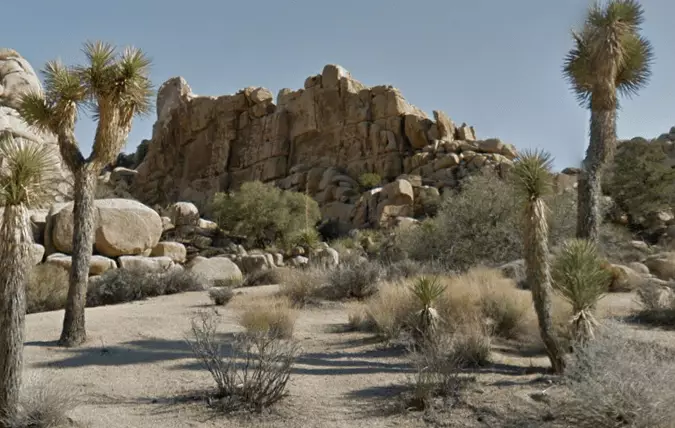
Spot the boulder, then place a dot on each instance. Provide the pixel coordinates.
(184, 214)
(662, 265)
(298, 261)
(173, 250)
(122, 227)
(326, 257)
(215, 268)
(37, 253)
(399, 192)
(97, 264)
(145, 264)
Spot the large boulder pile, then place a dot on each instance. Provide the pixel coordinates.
(318, 140)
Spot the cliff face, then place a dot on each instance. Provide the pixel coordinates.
(201, 145)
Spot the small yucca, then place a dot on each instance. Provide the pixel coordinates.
(580, 277)
(427, 290)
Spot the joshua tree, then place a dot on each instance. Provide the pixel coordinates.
(115, 88)
(427, 290)
(579, 276)
(533, 177)
(609, 57)
(25, 174)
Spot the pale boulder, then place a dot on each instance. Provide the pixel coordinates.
(97, 264)
(184, 214)
(215, 268)
(174, 250)
(37, 253)
(145, 264)
(122, 227)
(662, 265)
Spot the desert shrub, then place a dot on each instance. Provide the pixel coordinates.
(657, 305)
(639, 179)
(437, 374)
(408, 268)
(124, 285)
(471, 345)
(615, 381)
(47, 288)
(221, 296)
(302, 286)
(252, 375)
(387, 313)
(307, 238)
(265, 277)
(232, 282)
(615, 244)
(369, 180)
(274, 317)
(263, 213)
(43, 403)
(354, 280)
(482, 224)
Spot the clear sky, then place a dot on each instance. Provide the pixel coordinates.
(494, 64)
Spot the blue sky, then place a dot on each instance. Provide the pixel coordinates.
(494, 64)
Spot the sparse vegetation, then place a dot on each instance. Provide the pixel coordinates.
(615, 381)
(303, 286)
(265, 214)
(47, 289)
(122, 285)
(43, 403)
(355, 280)
(273, 316)
(221, 296)
(265, 277)
(252, 374)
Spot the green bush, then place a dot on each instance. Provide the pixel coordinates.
(264, 214)
(369, 180)
(640, 180)
(482, 224)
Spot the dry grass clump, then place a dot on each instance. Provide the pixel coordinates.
(615, 381)
(47, 288)
(43, 404)
(221, 296)
(273, 316)
(302, 286)
(250, 375)
(355, 280)
(480, 296)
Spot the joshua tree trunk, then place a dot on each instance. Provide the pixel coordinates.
(74, 332)
(14, 252)
(600, 151)
(539, 278)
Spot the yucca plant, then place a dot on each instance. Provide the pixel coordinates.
(427, 290)
(532, 174)
(580, 278)
(27, 170)
(609, 57)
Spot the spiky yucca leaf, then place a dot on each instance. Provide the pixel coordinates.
(427, 290)
(579, 275)
(27, 173)
(532, 171)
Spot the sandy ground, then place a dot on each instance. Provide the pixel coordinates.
(136, 365)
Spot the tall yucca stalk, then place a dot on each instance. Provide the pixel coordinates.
(609, 58)
(579, 276)
(532, 174)
(26, 171)
(114, 88)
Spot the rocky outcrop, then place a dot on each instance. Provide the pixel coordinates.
(17, 77)
(318, 140)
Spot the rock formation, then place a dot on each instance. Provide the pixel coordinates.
(16, 78)
(318, 140)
